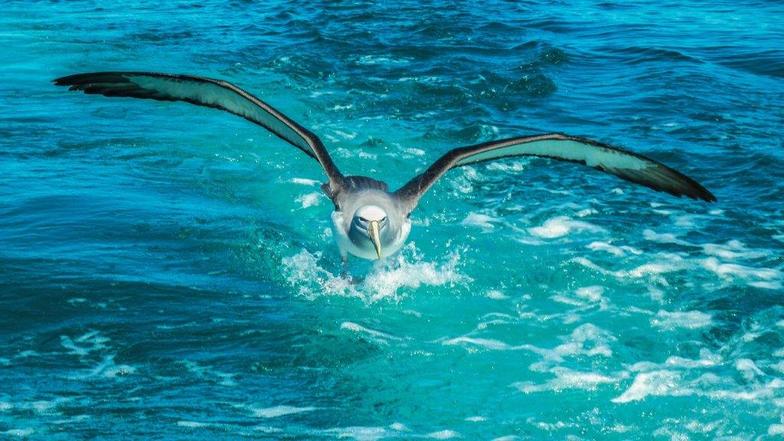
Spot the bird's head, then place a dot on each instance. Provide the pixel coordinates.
(370, 227)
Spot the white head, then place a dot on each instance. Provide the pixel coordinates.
(370, 228)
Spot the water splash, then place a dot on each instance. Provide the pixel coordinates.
(390, 279)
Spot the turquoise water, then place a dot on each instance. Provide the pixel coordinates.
(168, 272)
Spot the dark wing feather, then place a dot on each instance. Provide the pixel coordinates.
(206, 92)
(622, 163)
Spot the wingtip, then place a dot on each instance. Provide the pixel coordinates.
(86, 77)
(68, 80)
(709, 197)
(702, 193)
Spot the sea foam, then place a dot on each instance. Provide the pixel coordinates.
(560, 226)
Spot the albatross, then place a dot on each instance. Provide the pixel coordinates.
(369, 220)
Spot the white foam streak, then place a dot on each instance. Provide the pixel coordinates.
(776, 429)
(732, 250)
(191, 424)
(361, 433)
(612, 249)
(669, 263)
(748, 369)
(653, 270)
(681, 319)
(587, 339)
(590, 293)
(482, 221)
(496, 295)
(443, 434)
(570, 379)
(561, 226)
(765, 278)
(304, 181)
(654, 383)
(20, 433)
(377, 336)
(279, 411)
(663, 238)
(661, 380)
(688, 363)
(494, 345)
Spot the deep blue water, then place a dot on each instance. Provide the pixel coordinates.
(168, 272)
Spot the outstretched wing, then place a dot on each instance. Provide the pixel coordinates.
(206, 92)
(624, 164)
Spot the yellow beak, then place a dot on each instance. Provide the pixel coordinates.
(374, 236)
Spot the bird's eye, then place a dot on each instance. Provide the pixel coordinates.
(362, 219)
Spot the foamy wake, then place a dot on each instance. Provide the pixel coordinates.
(387, 280)
(663, 263)
(656, 381)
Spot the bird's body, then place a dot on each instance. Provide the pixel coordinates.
(353, 241)
(362, 201)
(369, 220)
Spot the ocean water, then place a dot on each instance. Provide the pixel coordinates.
(168, 272)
